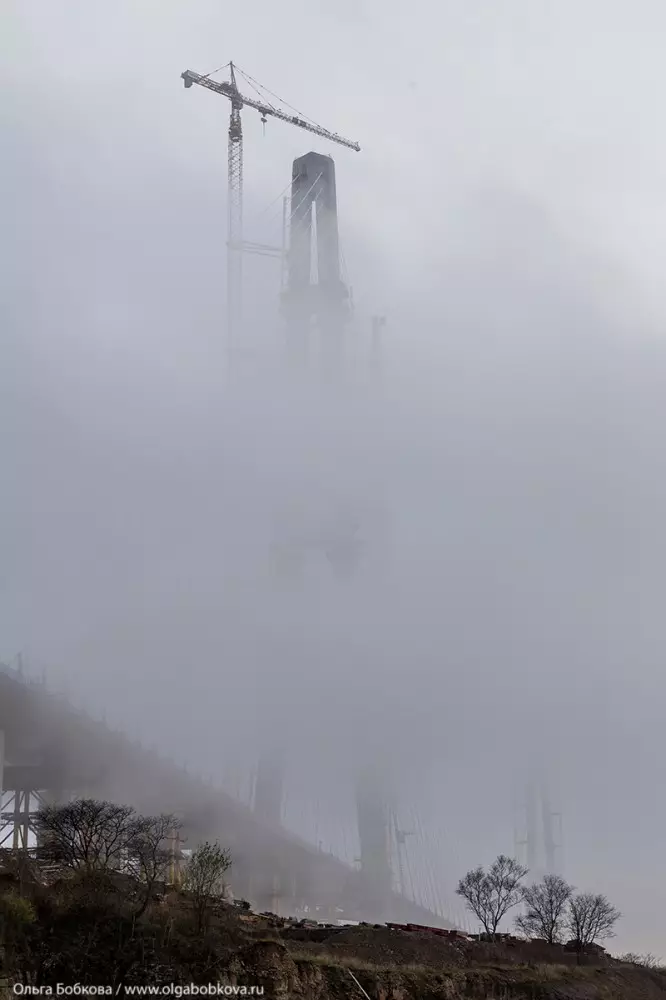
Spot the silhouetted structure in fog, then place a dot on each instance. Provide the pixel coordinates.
(316, 295)
(51, 752)
(541, 854)
(374, 833)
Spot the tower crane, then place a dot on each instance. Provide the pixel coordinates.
(235, 243)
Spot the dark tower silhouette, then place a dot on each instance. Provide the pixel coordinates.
(542, 853)
(315, 295)
(552, 850)
(532, 814)
(269, 786)
(374, 832)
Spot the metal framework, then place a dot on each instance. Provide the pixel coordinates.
(17, 818)
(235, 243)
(234, 218)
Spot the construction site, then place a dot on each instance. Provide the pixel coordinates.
(393, 867)
(330, 401)
(53, 753)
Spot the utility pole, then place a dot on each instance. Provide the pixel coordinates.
(235, 242)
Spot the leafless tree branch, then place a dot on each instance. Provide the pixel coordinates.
(491, 895)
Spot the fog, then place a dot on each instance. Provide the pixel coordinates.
(506, 470)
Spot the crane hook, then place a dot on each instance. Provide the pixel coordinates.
(264, 119)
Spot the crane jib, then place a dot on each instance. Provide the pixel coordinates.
(231, 92)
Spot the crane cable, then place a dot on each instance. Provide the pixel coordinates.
(255, 83)
(272, 203)
(259, 217)
(305, 196)
(248, 80)
(206, 76)
(274, 216)
(293, 211)
(308, 225)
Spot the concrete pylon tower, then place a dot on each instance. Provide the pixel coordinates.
(315, 296)
(552, 850)
(533, 859)
(537, 847)
(2, 771)
(374, 833)
(269, 785)
(338, 523)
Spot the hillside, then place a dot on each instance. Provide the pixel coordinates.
(64, 930)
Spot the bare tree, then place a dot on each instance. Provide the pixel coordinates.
(85, 835)
(489, 896)
(96, 838)
(204, 878)
(590, 918)
(648, 961)
(545, 909)
(148, 852)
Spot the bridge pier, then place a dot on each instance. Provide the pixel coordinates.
(241, 885)
(281, 893)
(16, 819)
(267, 898)
(176, 859)
(20, 800)
(2, 765)
(2, 782)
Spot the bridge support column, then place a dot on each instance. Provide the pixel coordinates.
(22, 815)
(176, 858)
(276, 896)
(241, 885)
(268, 901)
(21, 799)
(16, 819)
(292, 903)
(2, 785)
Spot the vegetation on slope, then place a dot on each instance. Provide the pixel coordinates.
(95, 908)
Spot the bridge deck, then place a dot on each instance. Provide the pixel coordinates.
(50, 746)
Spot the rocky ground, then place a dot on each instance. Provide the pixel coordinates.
(391, 964)
(67, 933)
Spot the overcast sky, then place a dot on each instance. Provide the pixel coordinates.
(507, 214)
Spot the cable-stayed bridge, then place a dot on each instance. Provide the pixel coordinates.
(50, 751)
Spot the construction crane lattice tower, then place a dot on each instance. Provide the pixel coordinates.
(235, 219)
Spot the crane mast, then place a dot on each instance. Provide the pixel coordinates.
(235, 241)
(234, 219)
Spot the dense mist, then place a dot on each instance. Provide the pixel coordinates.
(504, 465)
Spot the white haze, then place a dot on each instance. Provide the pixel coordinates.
(506, 212)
